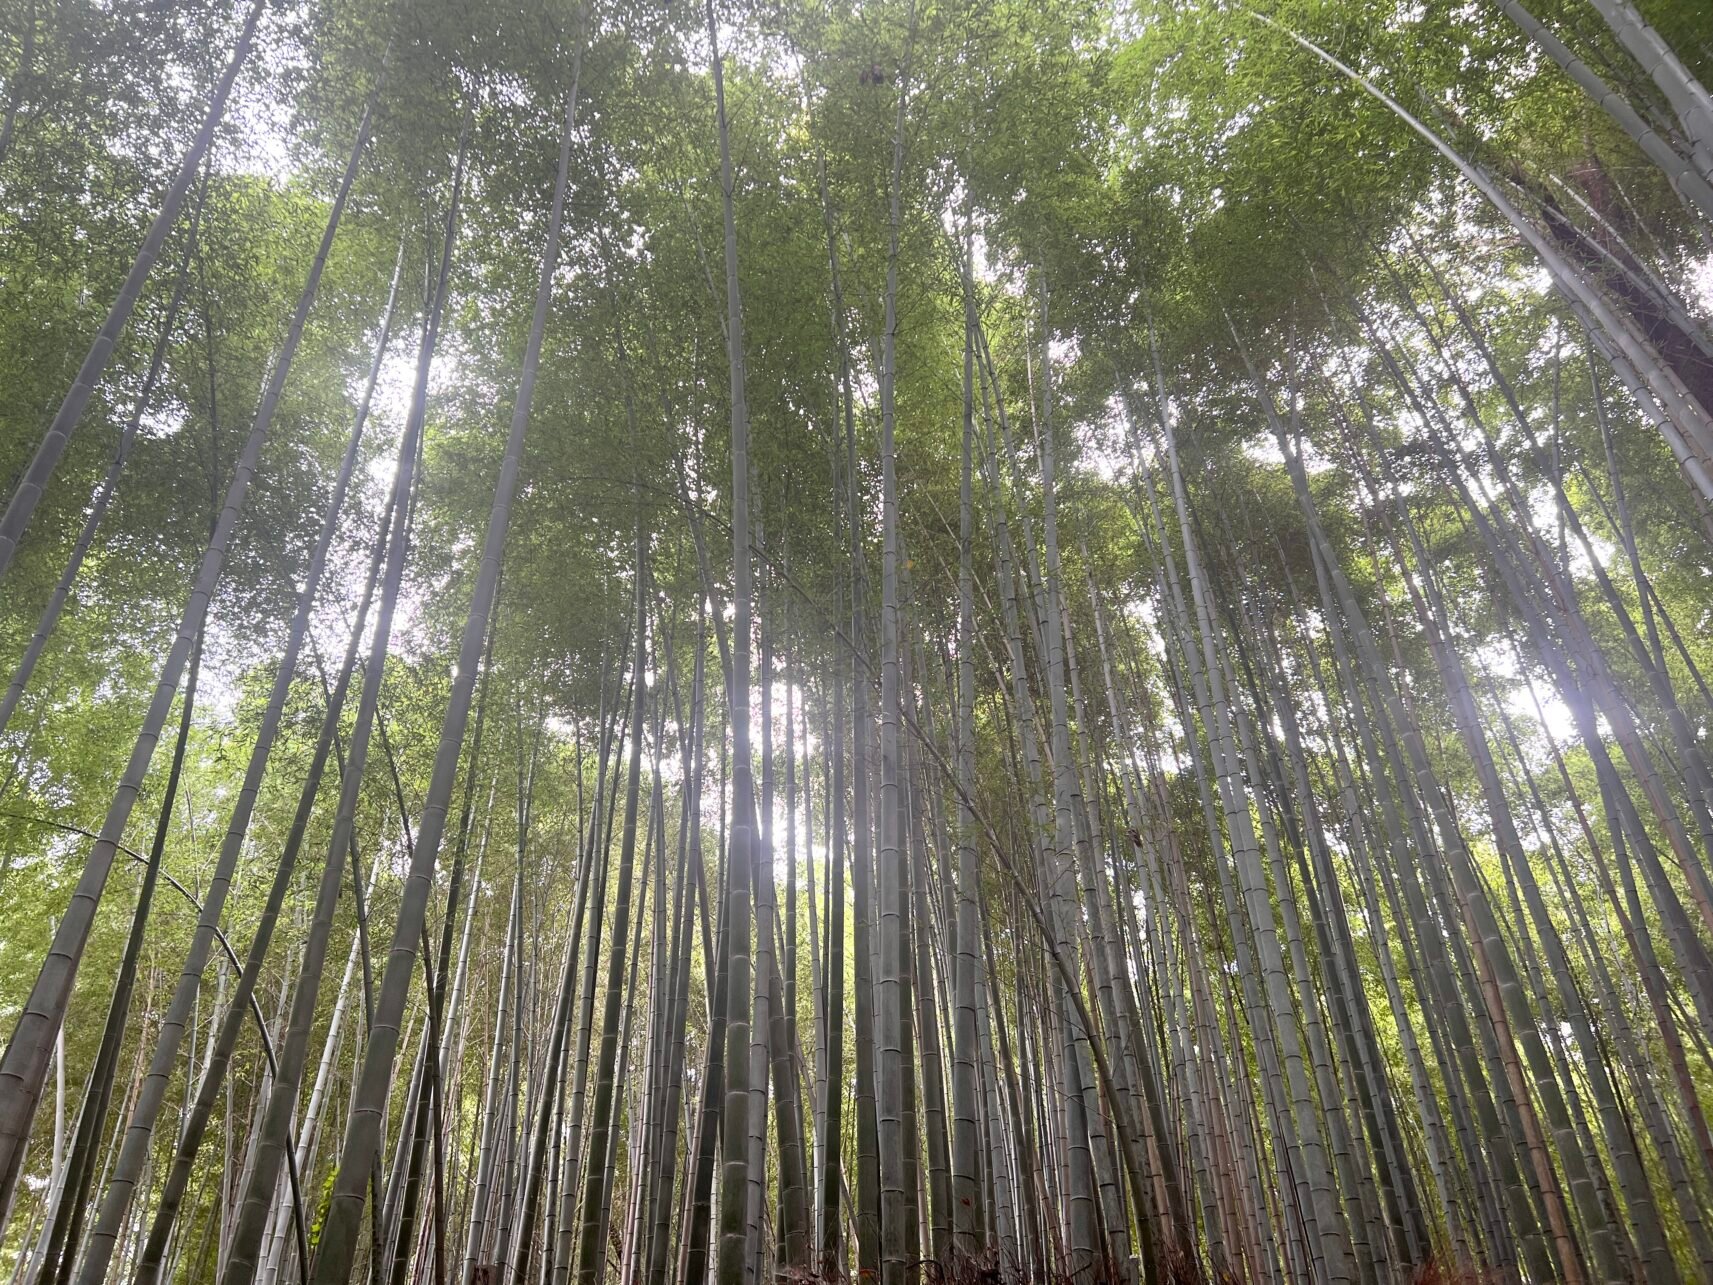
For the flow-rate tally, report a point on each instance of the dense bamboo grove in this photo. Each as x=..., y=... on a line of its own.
x=909, y=642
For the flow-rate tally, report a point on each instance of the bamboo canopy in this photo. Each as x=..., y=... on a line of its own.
x=919, y=643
